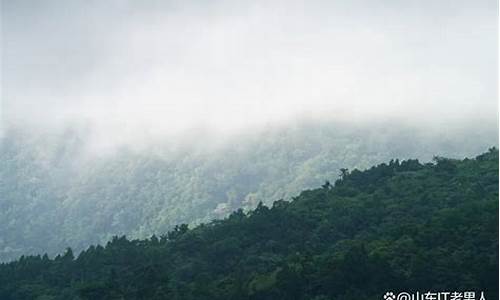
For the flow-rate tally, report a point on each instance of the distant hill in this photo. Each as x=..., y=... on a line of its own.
x=56, y=192
x=397, y=226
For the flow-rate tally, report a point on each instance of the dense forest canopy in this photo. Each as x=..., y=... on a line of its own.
x=398, y=226
x=55, y=191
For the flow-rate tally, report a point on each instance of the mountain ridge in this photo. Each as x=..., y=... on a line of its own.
x=54, y=194
x=398, y=226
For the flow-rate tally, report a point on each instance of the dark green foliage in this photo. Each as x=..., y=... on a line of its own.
x=397, y=226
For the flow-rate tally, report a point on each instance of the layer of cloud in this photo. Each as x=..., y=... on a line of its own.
x=161, y=67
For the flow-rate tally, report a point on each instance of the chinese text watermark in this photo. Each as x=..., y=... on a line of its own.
x=455, y=295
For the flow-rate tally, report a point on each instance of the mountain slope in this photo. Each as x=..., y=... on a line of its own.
x=397, y=226
x=55, y=192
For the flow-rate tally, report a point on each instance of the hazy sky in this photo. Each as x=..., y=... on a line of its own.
x=165, y=66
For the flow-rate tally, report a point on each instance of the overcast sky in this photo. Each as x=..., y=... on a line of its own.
x=167, y=66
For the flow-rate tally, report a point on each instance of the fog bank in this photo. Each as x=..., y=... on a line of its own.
x=158, y=69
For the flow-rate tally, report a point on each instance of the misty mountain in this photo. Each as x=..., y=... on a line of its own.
x=55, y=191
x=398, y=226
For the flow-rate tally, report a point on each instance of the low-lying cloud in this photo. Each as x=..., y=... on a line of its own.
x=159, y=68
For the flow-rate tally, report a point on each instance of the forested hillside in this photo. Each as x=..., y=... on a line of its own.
x=56, y=192
x=398, y=226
